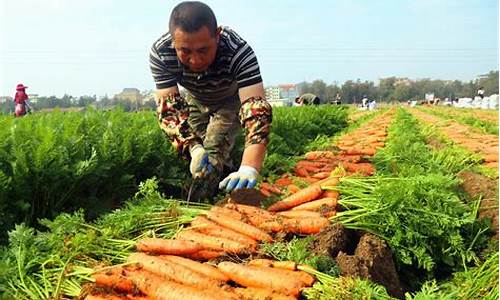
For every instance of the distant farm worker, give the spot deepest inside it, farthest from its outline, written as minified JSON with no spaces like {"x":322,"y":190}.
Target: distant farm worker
{"x":21,"y":101}
{"x":309,"y":98}
{"x":480,"y":92}
{"x":221,"y":75}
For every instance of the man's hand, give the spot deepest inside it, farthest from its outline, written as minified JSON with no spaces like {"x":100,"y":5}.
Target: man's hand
{"x":245,"y":177}
{"x":199,"y":165}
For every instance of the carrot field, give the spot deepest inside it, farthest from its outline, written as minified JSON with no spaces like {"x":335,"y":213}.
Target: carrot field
{"x":397,"y":203}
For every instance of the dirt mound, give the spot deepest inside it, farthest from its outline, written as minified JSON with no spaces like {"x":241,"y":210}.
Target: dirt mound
{"x":477,"y":185}
{"x":331,"y":240}
{"x":372,"y":260}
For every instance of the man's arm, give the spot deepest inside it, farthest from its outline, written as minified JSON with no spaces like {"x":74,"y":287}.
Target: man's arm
{"x":173,"y":113}
{"x":256,"y":117}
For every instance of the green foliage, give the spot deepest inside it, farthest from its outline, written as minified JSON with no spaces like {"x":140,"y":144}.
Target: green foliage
{"x":480,"y":282}
{"x":46,"y":264}
{"x":344,"y":288}
{"x":421,"y":217}
{"x":406,"y":152}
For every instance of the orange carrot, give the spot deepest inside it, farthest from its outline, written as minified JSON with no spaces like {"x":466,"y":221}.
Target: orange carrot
{"x":203,"y":225}
{"x":329,"y":182}
{"x":362,"y":168}
{"x":212,"y":242}
{"x":173,"y":271}
{"x":115,"y":281}
{"x":317,"y":204}
{"x":251,"y":211}
{"x":301,"y":172}
{"x":268,"y":278}
{"x":329,"y":213}
{"x":292,"y":188}
{"x":305,"y":225}
{"x":283,"y":181}
{"x":227,"y":212}
{"x":238,"y":226}
{"x":305,"y":195}
{"x":102,"y":296}
{"x":202,"y":268}
{"x":356,"y":151}
{"x":299,"y":214}
{"x":158,"y":288}
{"x":164,"y":246}
{"x":314,"y":155}
{"x":321,"y":175}
{"x":205,"y":255}
{"x":265,"y":192}
{"x":287,"y":265}
{"x":270,"y":188}
{"x":330,"y":194}
{"x":252,"y":293}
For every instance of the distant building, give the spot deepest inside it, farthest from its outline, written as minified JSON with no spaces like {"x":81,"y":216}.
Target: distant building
{"x":282,"y":95}
{"x":131,"y":94}
{"x":33,"y":97}
{"x":402,"y":81}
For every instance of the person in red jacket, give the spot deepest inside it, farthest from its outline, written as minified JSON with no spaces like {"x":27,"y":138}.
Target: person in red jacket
{"x":21,"y":101}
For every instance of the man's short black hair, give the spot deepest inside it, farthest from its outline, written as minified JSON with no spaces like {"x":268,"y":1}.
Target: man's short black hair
{"x":191,"y":16}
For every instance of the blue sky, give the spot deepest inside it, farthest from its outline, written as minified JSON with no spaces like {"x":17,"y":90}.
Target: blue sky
{"x":101,"y":46}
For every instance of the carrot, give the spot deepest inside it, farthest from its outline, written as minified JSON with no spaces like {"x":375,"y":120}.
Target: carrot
{"x":490,"y":157}
{"x":173,"y":271}
{"x":202,"y":268}
{"x":317,"y":204}
{"x":314,"y":155}
{"x":362,"y":168}
{"x":356,"y":151}
{"x":102,"y":296}
{"x":292,"y":188}
{"x":270,"y":188}
{"x":212,"y":242}
{"x":301,"y":172}
{"x":305,"y":195}
{"x":205,"y":255}
{"x":251,"y":293}
{"x":115,"y":281}
{"x":330,"y":194}
{"x":271,"y":226}
{"x":283,"y":181}
{"x":251,"y":211}
{"x":286,"y":265}
{"x":164,"y":246}
{"x":158,"y":288}
{"x":305,"y":225}
{"x":329,"y":214}
{"x":238,"y":226}
{"x":268,"y":278}
{"x":265,"y":192}
{"x":321,"y":175}
{"x":310,"y":179}
{"x":227,"y":212}
{"x":203,"y":225}
{"x":329,"y":182}
{"x":299,"y":214}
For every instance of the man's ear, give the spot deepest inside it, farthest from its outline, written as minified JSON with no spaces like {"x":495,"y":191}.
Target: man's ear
{"x":217,"y":33}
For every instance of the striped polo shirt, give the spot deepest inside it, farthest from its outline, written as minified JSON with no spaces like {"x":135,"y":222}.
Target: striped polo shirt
{"x":235,"y":66}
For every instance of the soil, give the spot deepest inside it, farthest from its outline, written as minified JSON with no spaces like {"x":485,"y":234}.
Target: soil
{"x":477,"y":185}
{"x":435,"y":143}
{"x":331,"y":240}
{"x":245,"y":196}
{"x":372,"y":260}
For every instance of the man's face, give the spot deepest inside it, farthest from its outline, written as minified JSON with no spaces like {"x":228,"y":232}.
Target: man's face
{"x":196,"y":50}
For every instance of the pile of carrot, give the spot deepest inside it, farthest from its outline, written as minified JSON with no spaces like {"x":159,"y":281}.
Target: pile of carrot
{"x":321,"y":168}
{"x":172,"y":277}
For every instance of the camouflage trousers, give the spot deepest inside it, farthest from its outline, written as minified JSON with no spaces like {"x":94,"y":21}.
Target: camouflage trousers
{"x":217,"y":125}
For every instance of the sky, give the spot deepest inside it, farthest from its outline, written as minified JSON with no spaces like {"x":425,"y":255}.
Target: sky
{"x":98,"y":47}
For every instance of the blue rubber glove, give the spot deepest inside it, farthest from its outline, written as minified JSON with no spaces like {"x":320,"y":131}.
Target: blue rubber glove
{"x":245,"y":177}
{"x":199,"y":165}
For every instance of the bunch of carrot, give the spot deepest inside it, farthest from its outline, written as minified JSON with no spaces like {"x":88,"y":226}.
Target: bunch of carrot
{"x":173,"y":277}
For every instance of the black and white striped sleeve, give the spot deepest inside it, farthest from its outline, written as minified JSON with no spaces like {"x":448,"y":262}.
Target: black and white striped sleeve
{"x":162,"y":77}
{"x":246,"y":67}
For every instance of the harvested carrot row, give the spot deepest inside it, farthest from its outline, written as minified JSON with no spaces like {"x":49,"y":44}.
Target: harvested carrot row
{"x":317,"y":204}
{"x":268,"y":278}
{"x":314,"y":155}
{"x":301,"y":172}
{"x":160,"y":289}
{"x":212,"y":242}
{"x":305,"y":195}
{"x":164,"y":246}
{"x":202,"y":268}
{"x":203,"y":225}
{"x":173,"y":271}
{"x":239,"y":226}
